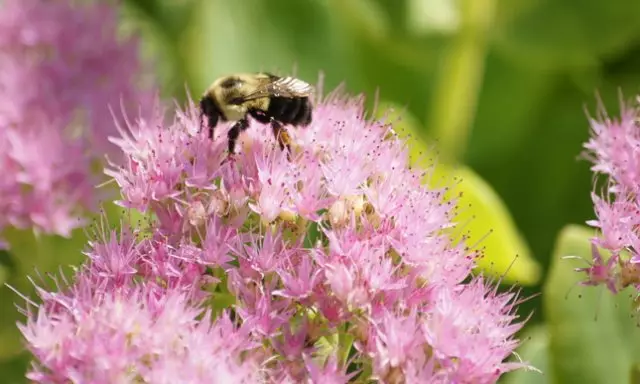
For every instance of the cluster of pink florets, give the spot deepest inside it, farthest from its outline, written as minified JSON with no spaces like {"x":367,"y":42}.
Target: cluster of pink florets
{"x":61,"y":67}
{"x":335,"y":264}
{"x":614,"y":148}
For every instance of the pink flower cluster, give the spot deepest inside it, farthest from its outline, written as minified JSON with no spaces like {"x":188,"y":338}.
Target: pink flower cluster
{"x":61,"y":67}
{"x":109,"y":328}
{"x":614,"y":149}
{"x":335,"y":265}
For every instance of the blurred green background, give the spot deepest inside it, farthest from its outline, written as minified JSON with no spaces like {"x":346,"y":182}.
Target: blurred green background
{"x":500,"y":86}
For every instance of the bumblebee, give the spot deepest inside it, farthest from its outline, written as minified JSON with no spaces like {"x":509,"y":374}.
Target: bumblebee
{"x":265,"y":97}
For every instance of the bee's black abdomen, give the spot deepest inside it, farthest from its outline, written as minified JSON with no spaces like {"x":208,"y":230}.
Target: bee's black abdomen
{"x":294,"y":111}
{"x":277,"y":107}
{"x":291,"y":112}
{"x":304,"y":115}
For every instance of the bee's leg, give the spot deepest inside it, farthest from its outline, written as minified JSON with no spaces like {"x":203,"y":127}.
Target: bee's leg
{"x":209,"y":126}
{"x":212,"y":121}
{"x":201,"y":120}
{"x":234,"y":133}
{"x":281,"y":134}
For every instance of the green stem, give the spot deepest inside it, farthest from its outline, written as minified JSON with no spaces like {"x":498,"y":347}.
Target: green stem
{"x":460,"y":78}
{"x":635,"y":374}
{"x":168,"y":22}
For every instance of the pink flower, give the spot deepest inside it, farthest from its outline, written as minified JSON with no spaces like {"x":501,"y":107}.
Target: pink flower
{"x":397,"y":341}
{"x":62,"y":68}
{"x":264,"y":253}
{"x":335,"y":251}
{"x":217,"y":243}
{"x":132,"y":336}
{"x":330,"y":372}
{"x":114,"y":258}
{"x":293,"y":343}
{"x":134,"y":313}
{"x":298,"y":279}
{"x":614,"y":149}
{"x":599,"y":272}
{"x":617,"y":221}
{"x":442,"y":340}
{"x":471,"y":331}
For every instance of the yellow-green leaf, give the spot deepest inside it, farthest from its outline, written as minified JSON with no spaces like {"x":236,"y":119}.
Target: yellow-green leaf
{"x":480,"y":210}
{"x":32,"y":254}
{"x":534,"y":350}
{"x":594,"y":337}
{"x":326,"y":347}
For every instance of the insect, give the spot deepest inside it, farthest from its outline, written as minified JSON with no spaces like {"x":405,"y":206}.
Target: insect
{"x":265,"y":97}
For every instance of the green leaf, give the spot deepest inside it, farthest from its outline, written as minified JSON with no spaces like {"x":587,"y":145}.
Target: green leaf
{"x":326,"y":346}
{"x":312,"y":235}
{"x":31,"y":254}
{"x":481,"y":211}
{"x":7,"y":266}
{"x":364,"y":15}
{"x":34,"y":254}
{"x":346,"y":342}
{"x":593,"y":337}
{"x":424,"y":17}
{"x":4,"y":275}
{"x":13,"y":370}
{"x":498,"y":131}
{"x":566,"y":33}
{"x":227,"y":37}
{"x":540,"y":179}
{"x":534,"y":351}
{"x":491,"y":227}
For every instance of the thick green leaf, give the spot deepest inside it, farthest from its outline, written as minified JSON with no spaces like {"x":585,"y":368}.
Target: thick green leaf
{"x":491,"y":227}
{"x":534,"y":351}
{"x":594,"y":339}
{"x":481,"y":211}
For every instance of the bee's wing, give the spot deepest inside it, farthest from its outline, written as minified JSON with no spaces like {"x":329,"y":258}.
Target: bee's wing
{"x":282,"y":87}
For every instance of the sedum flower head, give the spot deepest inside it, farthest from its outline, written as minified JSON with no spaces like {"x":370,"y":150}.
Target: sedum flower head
{"x":336,"y":262}
{"x":614,"y":149}
{"x":135,"y":313}
{"x":61,"y":67}
{"x":134,"y":335}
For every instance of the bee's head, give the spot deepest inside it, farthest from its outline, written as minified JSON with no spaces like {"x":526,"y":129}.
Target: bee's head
{"x":209,"y":109}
